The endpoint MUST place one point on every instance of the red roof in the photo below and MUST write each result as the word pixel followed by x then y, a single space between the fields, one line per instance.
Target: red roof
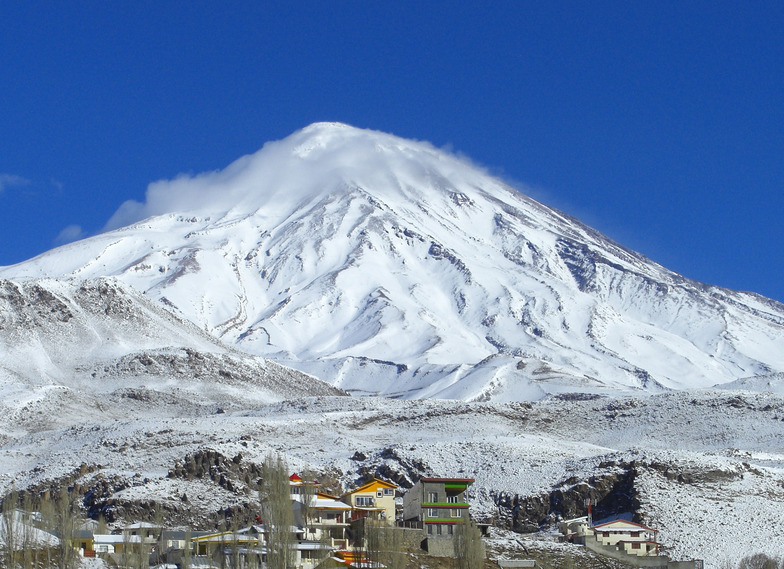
pixel 604 525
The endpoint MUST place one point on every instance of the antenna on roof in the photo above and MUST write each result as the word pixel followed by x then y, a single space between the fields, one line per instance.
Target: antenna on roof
pixel 587 502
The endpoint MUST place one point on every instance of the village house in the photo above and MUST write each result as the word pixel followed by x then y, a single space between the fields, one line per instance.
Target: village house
pixel 328 520
pixel 18 531
pixel 249 539
pixel 575 529
pixel 628 537
pixel 376 499
pixel 439 504
pixel 298 487
pixel 109 543
pixel 615 538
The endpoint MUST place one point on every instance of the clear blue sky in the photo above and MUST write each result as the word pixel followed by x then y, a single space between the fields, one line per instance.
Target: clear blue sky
pixel 659 123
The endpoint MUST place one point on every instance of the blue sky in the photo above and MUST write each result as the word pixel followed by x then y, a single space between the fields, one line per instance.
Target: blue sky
pixel 659 123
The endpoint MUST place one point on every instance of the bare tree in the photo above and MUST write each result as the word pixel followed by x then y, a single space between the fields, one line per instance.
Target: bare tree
pixel 59 516
pixel 359 541
pixel 308 496
pixel 392 555
pixel 469 548
pixel 156 554
pixel 760 561
pixel 186 553
pixel 9 528
pixel 373 539
pixel 235 543
pixel 325 543
pixel 28 538
pixel 48 519
pixel 277 511
pixel 125 555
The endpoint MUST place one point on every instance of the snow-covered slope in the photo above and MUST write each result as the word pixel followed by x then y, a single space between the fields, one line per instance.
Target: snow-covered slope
pixel 385 266
pixel 99 348
pixel 706 469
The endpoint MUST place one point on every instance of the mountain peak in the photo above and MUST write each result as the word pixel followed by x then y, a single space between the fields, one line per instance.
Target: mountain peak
pixel 385 265
pixel 318 159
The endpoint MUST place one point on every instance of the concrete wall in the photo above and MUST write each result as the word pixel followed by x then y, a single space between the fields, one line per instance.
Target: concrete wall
pixel 440 546
pixel 412 538
pixel 612 551
pixel 515 563
pixel 412 501
pixel 650 561
pixel 693 564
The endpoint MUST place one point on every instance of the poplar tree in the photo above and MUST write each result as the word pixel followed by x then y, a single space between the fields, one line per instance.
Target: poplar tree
pixel 469 548
pixel 309 493
pixel 28 538
pixel 391 545
pixel 277 511
pixel 9 528
pixel 186 554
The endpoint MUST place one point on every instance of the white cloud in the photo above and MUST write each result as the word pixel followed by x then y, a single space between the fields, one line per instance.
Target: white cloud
pixel 70 233
pixel 285 173
pixel 12 180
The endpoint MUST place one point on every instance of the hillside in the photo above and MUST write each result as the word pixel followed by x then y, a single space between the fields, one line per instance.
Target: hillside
pixel 100 349
pixel 691 465
pixel 481 334
pixel 385 266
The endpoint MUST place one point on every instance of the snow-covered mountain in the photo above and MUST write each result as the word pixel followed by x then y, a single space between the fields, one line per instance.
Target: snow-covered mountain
pixel 99 349
pixel 386 266
pixel 130 365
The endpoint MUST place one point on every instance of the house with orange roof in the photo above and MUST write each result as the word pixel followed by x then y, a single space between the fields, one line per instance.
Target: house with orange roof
pixel 376 499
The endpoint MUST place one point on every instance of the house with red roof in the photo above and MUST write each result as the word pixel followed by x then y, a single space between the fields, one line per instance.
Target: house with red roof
pixel 628 537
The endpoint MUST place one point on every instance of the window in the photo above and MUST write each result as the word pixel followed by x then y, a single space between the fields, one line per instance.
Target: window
pixel 432 512
pixel 636 545
pixel 455 513
pixel 438 530
pixel 379 493
pixel 365 501
pixel 389 491
pixel 430 529
pixel 432 496
pixel 453 499
pixel 450 529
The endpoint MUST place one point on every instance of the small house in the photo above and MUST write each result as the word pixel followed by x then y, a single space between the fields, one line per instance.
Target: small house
pixel 628 537
pixel 376 499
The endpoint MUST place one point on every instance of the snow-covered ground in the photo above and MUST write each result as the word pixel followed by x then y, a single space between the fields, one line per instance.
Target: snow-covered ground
pixel 709 466
pixel 388 267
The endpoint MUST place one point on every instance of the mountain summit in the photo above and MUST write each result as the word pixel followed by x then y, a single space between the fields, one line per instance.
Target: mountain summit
pixel 387 266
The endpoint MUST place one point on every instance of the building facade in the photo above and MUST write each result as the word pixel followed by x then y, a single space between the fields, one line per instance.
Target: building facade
pixel 439 504
pixel 376 499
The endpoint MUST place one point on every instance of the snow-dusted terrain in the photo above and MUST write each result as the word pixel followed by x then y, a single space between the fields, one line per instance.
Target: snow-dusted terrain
pixel 80 349
pixel 385 266
pixel 514 345
pixel 705 468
